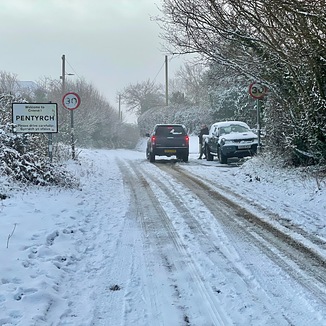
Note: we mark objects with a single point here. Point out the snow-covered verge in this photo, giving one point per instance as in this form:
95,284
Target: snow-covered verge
63,251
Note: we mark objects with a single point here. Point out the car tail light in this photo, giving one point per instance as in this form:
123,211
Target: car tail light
187,139
153,140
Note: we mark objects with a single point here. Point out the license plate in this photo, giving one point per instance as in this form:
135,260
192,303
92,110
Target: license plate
244,146
170,151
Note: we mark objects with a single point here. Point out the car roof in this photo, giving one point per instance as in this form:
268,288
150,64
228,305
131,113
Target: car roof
228,123
169,124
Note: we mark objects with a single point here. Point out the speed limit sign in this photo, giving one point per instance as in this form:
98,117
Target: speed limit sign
257,91
71,101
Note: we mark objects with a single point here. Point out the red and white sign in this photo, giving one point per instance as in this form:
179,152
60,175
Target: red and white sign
71,101
257,91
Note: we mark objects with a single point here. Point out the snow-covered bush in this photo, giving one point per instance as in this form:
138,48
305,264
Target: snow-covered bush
20,164
23,157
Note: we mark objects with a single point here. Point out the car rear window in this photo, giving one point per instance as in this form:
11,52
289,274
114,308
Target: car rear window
170,130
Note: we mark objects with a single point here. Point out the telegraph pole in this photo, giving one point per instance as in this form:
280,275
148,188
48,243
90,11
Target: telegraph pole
166,82
120,112
63,75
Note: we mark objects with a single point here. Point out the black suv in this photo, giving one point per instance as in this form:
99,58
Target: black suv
168,140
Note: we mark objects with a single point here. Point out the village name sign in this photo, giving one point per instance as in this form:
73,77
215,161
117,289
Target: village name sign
35,117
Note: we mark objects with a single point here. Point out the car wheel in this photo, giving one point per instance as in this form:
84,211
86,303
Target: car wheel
209,156
151,157
185,158
222,158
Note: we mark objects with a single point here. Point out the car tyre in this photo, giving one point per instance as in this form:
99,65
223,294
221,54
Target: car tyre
185,158
222,158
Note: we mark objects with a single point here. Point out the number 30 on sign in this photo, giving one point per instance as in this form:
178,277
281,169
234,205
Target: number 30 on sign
257,91
71,101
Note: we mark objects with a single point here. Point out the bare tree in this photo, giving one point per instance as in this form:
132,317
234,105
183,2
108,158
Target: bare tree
190,79
95,120
142,96
246,35
8,82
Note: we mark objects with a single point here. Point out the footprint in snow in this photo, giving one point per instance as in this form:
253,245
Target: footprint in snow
50,238
14,280
22,292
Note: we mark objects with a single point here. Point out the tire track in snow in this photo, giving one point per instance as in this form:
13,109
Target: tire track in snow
216,246
161,309
300,261
158,226
296,229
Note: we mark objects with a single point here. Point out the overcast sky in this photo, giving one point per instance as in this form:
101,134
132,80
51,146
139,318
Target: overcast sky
110,43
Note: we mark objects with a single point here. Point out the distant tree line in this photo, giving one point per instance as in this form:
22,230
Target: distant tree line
97,124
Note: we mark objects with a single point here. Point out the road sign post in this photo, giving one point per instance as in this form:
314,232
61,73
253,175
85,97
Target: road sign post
258,126
71,101
258,91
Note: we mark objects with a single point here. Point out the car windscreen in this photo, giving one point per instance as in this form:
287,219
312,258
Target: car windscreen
169,131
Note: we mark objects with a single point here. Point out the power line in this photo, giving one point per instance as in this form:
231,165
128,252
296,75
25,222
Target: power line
159,71
71,67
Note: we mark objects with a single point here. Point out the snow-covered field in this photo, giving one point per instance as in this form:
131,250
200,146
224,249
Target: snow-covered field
65,253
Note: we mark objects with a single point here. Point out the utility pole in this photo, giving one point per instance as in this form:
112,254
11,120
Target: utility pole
166,82
120,113
63,75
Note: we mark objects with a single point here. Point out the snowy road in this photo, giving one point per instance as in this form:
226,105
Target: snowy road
160,244
226,256
202,259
